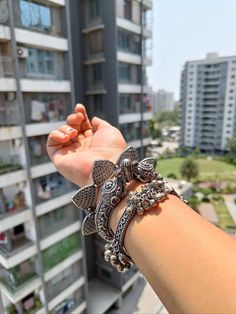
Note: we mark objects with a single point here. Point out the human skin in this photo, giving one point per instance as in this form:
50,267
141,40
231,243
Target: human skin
189,262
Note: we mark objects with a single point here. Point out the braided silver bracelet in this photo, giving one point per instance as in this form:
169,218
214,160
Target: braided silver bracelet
138,202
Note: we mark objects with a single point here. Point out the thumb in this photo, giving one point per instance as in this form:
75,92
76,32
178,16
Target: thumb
98,123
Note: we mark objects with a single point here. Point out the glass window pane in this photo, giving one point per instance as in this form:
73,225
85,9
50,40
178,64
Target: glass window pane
25,13
45,16
35,15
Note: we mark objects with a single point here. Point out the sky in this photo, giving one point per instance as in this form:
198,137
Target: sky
186,30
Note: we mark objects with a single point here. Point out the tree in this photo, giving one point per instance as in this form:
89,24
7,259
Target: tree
230,157
189,169
231,146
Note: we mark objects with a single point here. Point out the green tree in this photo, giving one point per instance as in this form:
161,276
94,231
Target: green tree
230,157
189,169
231,146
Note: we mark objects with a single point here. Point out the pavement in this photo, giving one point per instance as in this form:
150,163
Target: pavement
229,202
140,300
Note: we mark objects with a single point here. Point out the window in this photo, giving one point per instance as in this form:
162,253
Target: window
40,62
123,41
129,42
95,42
124,72
94,8
98,105
127,9
34,15
97,72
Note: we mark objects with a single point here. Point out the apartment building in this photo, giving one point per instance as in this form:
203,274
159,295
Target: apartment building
208,103
45,265
41,255
163,101
116,46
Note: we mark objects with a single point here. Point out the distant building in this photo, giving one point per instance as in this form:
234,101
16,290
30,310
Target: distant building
163,101
208,103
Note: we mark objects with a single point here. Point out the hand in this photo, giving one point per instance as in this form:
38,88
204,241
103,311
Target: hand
74,147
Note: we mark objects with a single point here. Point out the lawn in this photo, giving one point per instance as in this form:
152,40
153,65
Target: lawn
208,169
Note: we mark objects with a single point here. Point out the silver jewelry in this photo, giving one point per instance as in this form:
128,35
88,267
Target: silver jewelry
114,190
138,202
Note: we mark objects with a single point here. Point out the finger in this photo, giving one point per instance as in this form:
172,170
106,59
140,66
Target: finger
75,119
98,123
86,124
57,137
66,129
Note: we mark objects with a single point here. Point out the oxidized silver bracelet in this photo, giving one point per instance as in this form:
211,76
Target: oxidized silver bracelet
113,179
138,202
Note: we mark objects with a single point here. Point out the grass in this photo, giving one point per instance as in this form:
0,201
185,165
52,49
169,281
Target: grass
208,169
225,220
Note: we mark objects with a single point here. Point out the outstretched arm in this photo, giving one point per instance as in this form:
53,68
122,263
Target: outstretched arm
189,262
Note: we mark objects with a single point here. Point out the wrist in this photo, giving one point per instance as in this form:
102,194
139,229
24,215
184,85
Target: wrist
119,210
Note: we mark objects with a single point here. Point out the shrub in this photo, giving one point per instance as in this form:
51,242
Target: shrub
172,175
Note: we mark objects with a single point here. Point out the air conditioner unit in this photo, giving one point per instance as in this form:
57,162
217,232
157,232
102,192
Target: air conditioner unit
22,52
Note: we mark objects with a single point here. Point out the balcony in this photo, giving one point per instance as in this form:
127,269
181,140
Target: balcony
4,14
12,201
67,293
9,113
131,131
38,152
6,67
129,74
41,64
60,251
45,107
39,18
129,43
16,282
51,186
57,220
29,305
15,247
71,303
63,280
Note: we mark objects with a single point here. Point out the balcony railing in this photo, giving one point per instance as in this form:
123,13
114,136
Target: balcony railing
4,14
38,153
57,220
15,278
71,302
51,186
41,108
6,168
65,282
9,114
14,246
6,67
12,200
60,251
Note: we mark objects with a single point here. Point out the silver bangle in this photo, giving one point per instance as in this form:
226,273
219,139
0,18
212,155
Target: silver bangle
138,202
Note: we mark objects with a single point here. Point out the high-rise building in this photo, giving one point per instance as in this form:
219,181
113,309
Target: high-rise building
116,48
208,103
163,101
45,265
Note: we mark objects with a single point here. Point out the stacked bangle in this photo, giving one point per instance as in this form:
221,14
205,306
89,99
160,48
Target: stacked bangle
113,178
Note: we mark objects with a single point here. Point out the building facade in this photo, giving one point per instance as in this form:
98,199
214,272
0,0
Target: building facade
164,101
208,103
45,265
116,49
